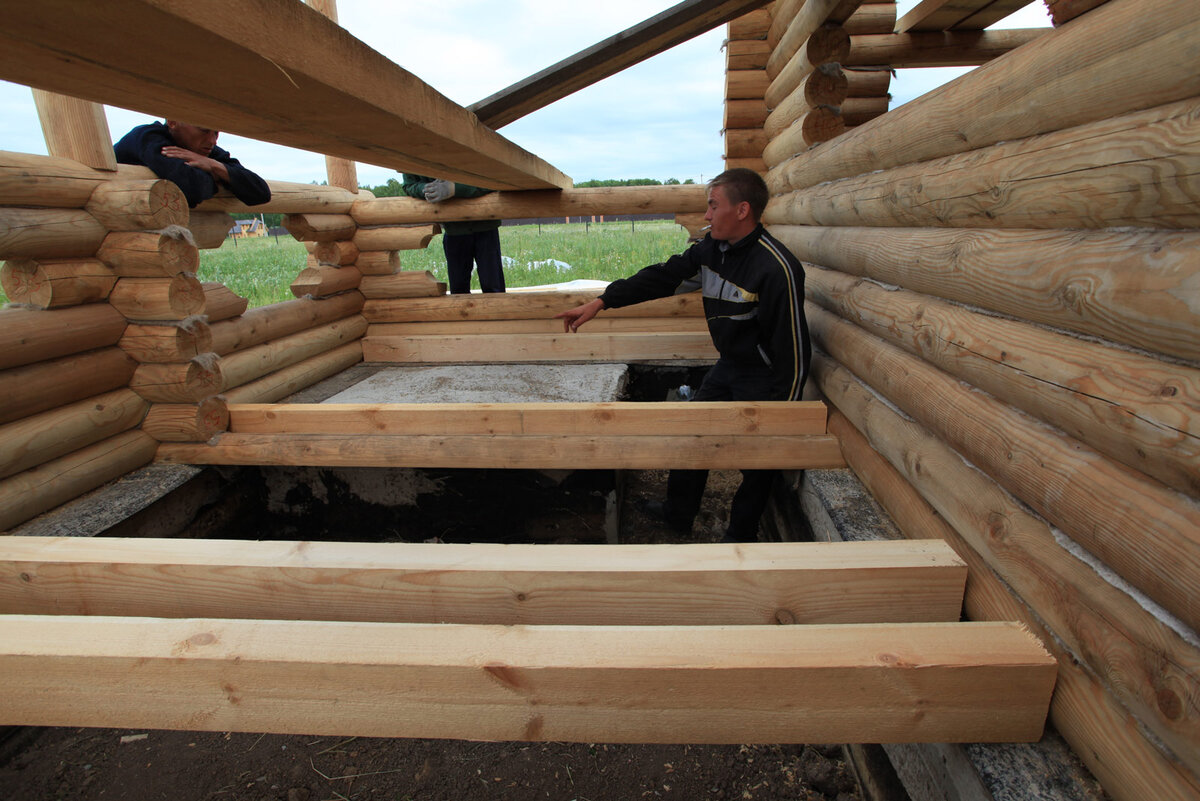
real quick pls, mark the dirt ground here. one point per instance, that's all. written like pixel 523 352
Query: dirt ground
pixel 75 764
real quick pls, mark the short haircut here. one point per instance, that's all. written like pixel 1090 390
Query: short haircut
pixel 744 184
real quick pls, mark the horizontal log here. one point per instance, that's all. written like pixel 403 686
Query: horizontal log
pixel 32 492
pixel 751 25
pixel 177 342
pixel 150 254
pixel 138 205
pixel 744 143
pixel 535 326
pixel 1141 169
pixel 209 229
pixel 408 284
pixel 942 49
pixel 574 347
pixel 338 253
pixel 75 129
pixel 861 110
pixel 250 364
pixel 377 262
pixel 625 419
pixel 807 20
pixel 174 298
pixel 1146 665
pixel 185 382
pixel 266 323
pixel 1129 287
pixel 187 422
pixel 781 14
pixel 744 114
pixel 637 585
pixel 35 180
pixel 827 44
pixel 518 306
pixel 818 125
pixel 50 384
pixel 54 283
pixel 558 452
pixel 323 280
pixel 281 383
pixel 34 335
pixel 1144 532
pixel 867 81
pixel 827 85
pixel 1062 11
pixel 527 205
pixel 944 15
pixel 1108 398
pixel 410 237
pixel 755 165
pixel 1091 720
pixel 695 224
pixel 287 198
pixel 221 303
pixel 872 18
pixel 746 54
pixel 746 84
pixel 573 683
pixel 48 233
pixel 43 437
pixel 1090 61
pixel 320 227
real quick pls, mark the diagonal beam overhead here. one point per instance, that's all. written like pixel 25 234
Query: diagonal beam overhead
pixel 274 70
pixel 661 32
pixel 958 15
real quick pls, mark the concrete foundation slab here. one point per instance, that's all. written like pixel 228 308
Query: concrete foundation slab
pixel 490 383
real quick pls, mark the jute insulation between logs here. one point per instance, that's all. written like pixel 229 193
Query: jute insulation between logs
pixel 30 335
pixel 54 283
pixel 35 388
pixel 1147 666
pixel 267 323
pixel 1094 723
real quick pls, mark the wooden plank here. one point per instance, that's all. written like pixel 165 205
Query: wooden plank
pixel 949 49
pixel 286 75
pixel 634 585
pixel 536 326
pixel 944 15
pixel 661 32
pixel 913 682
pixel 758 418
pixel 574 347
pixel 541 452
pixel 519 306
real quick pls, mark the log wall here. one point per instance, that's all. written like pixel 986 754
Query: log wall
pixel 1003 295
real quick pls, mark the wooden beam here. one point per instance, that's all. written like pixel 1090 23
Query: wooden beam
pixel 283 74
pixel 544 325
pixel 519 306
pixel 30 335
pixel 289 380
pixel 634 585
pixel 572 347
pixel 916 682
pixel 945 15
pixel 51 383
pixel 266 323
pixel 936 49
pixel 674 199
pixel 75 129
pixel 661 32
pixel 544 452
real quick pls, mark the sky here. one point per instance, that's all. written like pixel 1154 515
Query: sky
pixel 659 119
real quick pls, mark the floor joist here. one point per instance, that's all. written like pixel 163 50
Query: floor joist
pixel 572 347
pixel 915 682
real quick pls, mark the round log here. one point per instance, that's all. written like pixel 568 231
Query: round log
pixel 819 125
pixel 936 49
pixel 248 365
pixel 782 13
pixel 182 382
pixel 53 283
pixel 746 84
pixel 758 165
pixel 407 284
pixel 48 233
pixel 150 254
pixel 75 129
pixel 395 237
pixel 751 25
pixel 378 262
pixel 138 205
pixel 338 253
pixel 867 81
pixel 266 323
pixel 286 198
pixel 342 173
pixel 694 223
pixel 172 298
pixel 872 18
pixel 187 422
pixel 746 54
pixel 34 335
pixel 292 379
pixel 320 227
pixel 745 113
pixel 209 229
pixel 35 388
pixel 745 143
pixel 174 342
pixel 827 85
pixel 807 20
pixel 827 44
pixel 31 180
pixel 323 280
pixel 221 303
pixel 859 110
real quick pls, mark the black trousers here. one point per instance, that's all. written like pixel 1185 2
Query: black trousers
pixel 483 250
pixel 685 488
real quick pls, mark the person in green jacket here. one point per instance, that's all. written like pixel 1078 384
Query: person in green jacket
pixel 475 242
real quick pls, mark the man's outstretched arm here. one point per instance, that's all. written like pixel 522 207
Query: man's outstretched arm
pixel 573 318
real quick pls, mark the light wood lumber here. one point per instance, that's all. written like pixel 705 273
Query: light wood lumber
pixel 746 54
pixel 75 129
pixel 150 254
pixel 861 110
pixel 782 12
pixel 1062 11
pixel 48 233
pixel 342 173
pixel 1009 98
pixel 1141 169
pixel 35 388
pixel 324 280
pixel 527 205
pixel 221 303
pixel 266 323
pixel 377 262
pixel 187 422
pixel 744 114
pixel 827 44
pixel 34 335
pixel 944 15
pixel 949 49
pixel 167 343
pixel 808 20
pixel 338 253
pixel 1125 286
pixel 695 224
pixel 779 418
pixel 661 32
pixel 636 585
pixel 743 144
pixel 817 125
pixel 138 205
pixel 53 283
pixel 32 492
pixel 42 437
pixel 184 382
pixel 1109 398
pixel 1147 666
pixel 757 165
pixel 407 284
pixel 1143 531
pixel 573 347
pixel 1128 765
pixel 746 84
pixel 244 366
pixel 286 198
pixel 535 326
pixel 826 85
pixel 410 237
pixel 519 306
pixel 751 25
pixel 867 81
pixel 282 383
pixel 174 298
pixel 278 48
pixel 210 229
pixel 872 18
pixel 320 227
pixel 35 180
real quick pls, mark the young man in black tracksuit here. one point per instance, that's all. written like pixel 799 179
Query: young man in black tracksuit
pixel 753 290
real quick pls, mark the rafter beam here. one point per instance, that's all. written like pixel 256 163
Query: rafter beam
pixel 274 70
pixel 957 15
pixel 633 45
pixel 937 49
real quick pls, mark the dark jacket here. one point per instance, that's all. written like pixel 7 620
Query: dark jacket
pixel 414 186
pixel 144 144
pixel 753 298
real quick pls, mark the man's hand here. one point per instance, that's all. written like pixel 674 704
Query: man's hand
pixel 439 190
pixel 193 159
pixel 573 318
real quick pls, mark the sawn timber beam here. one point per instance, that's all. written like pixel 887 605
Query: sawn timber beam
pixel 274 70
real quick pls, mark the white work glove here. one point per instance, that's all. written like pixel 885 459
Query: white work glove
pixel 439 190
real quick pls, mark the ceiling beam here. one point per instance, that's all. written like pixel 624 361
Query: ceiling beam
pixel 273 70
pixel 661 32
pixel 958 15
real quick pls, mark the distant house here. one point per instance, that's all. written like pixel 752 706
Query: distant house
pixel 244 228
